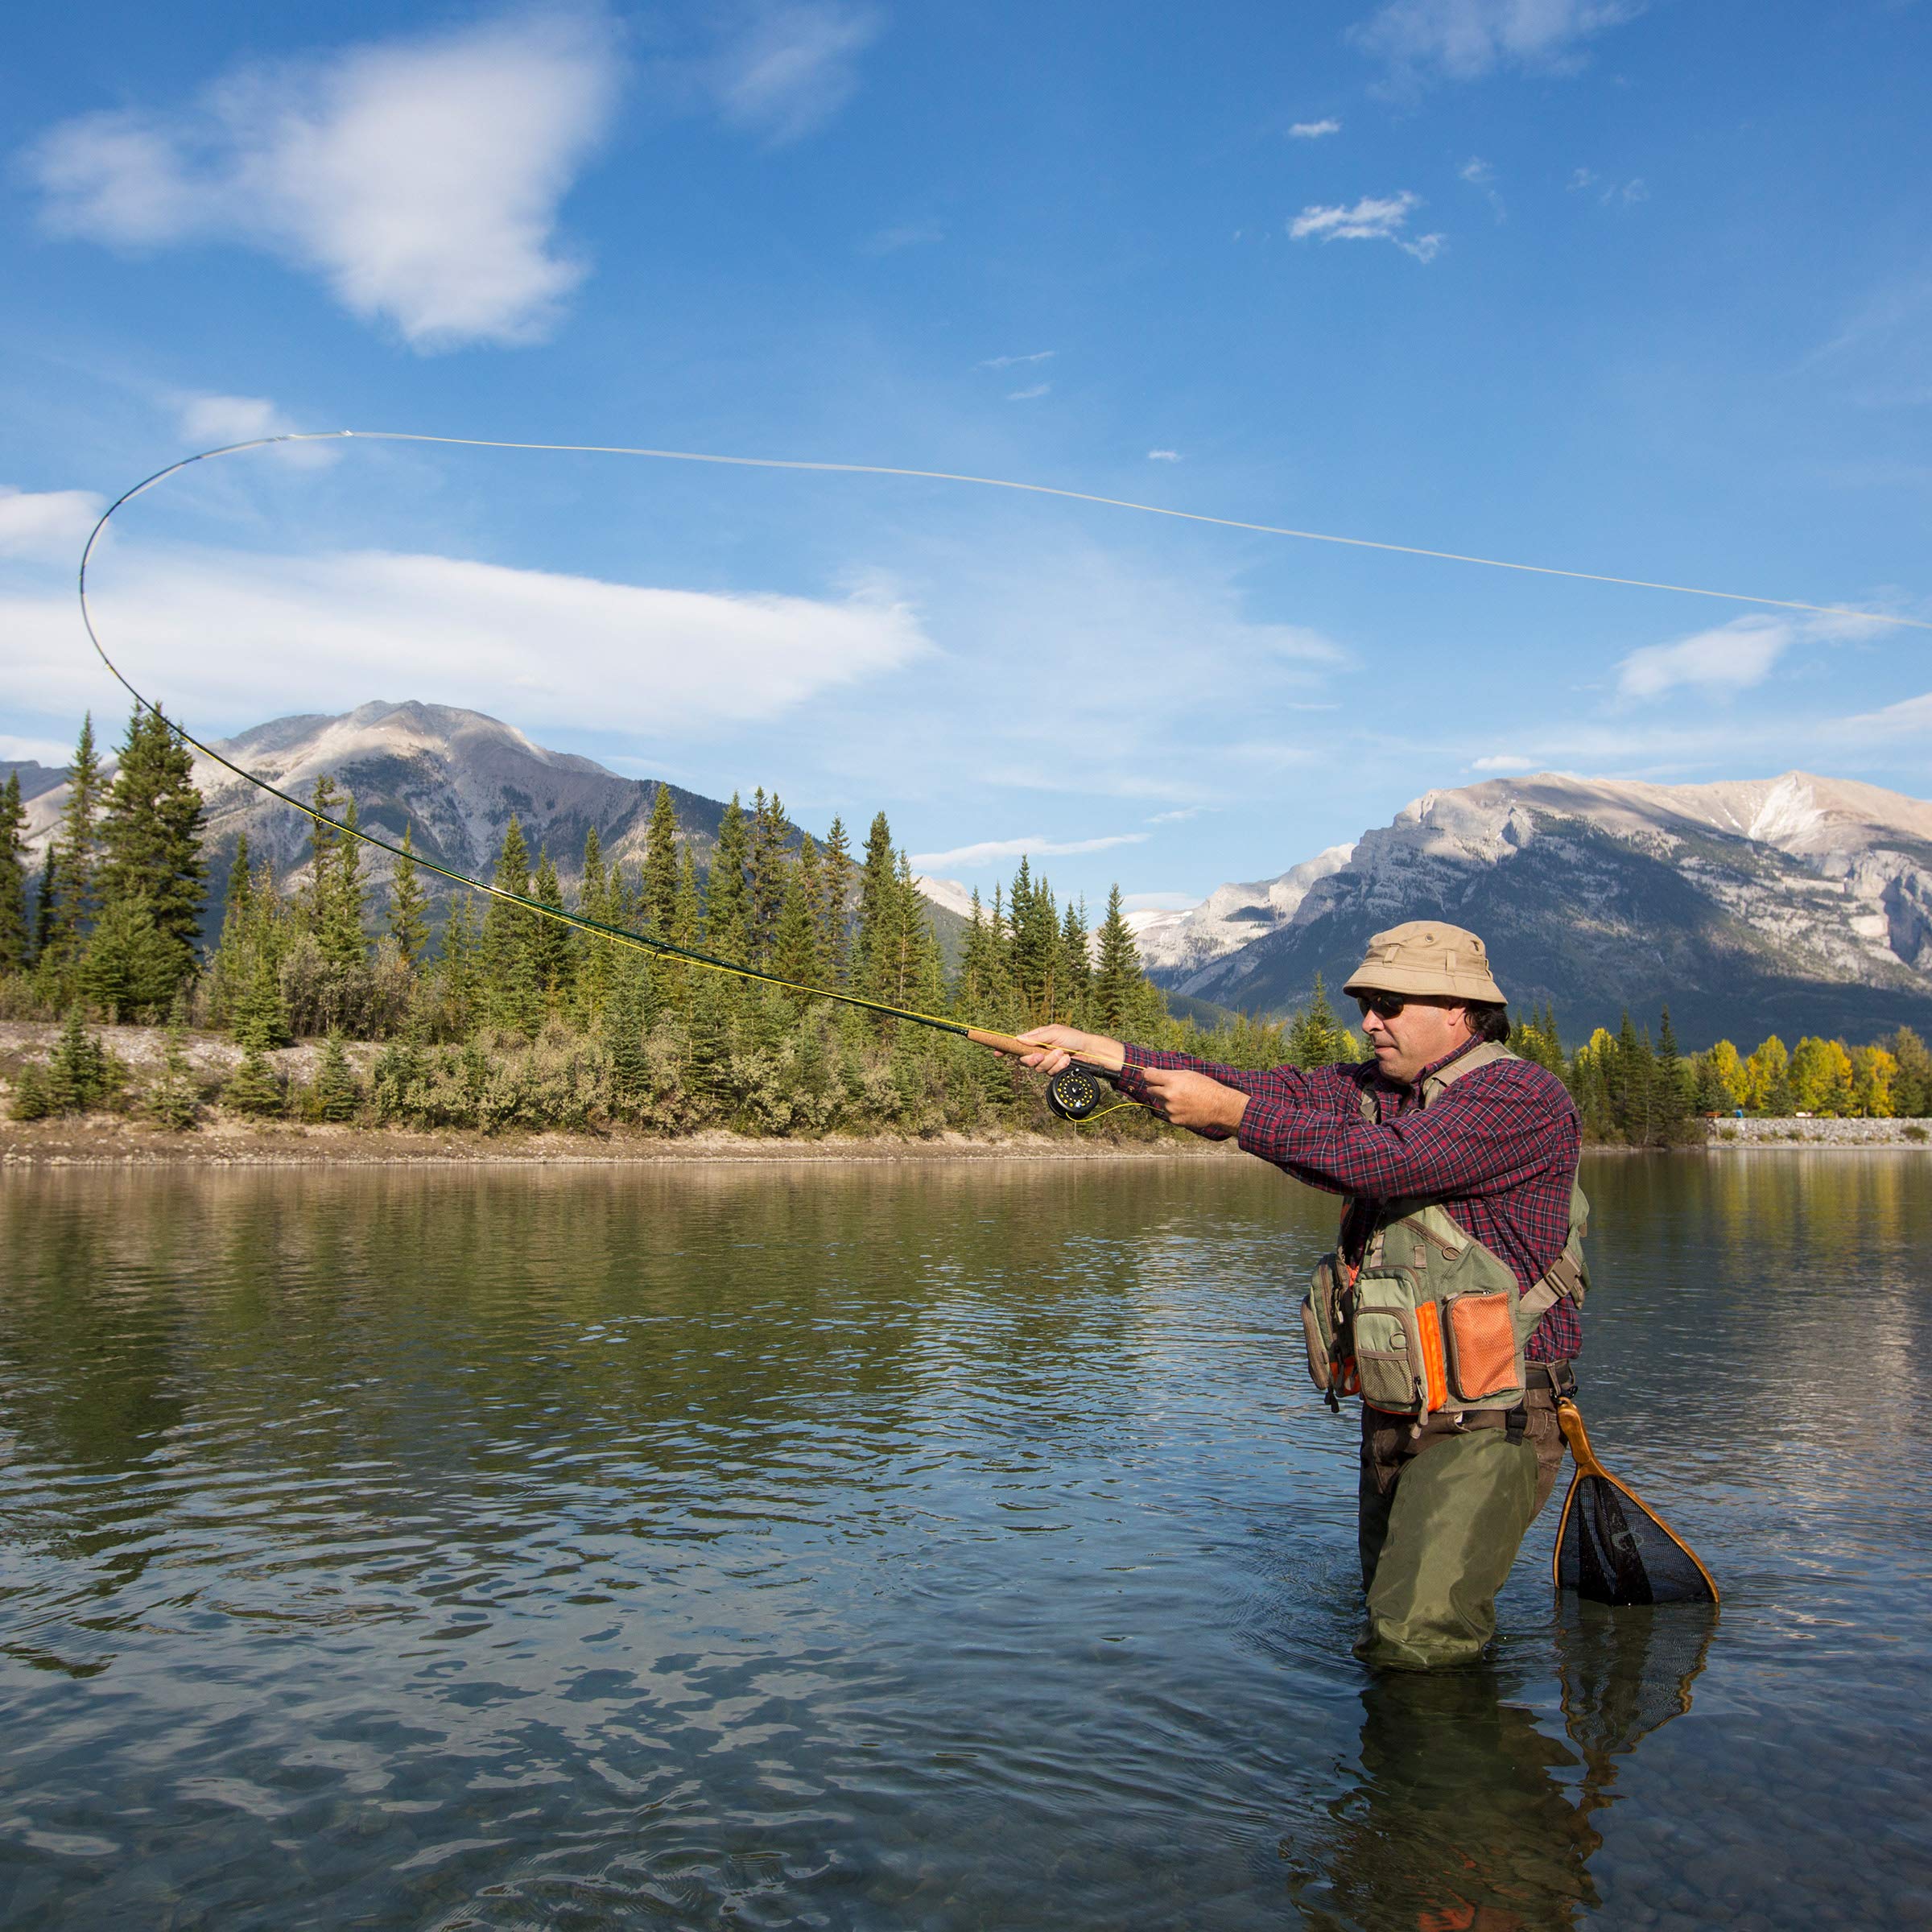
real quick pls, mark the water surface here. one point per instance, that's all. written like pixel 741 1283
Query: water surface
pixel 919 1547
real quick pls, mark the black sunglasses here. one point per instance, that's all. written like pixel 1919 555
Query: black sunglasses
pixel 1384 1006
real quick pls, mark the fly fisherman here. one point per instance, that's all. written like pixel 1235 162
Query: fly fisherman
pixel 1450 1303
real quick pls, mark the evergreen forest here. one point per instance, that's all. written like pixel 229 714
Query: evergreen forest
pixel 505 1020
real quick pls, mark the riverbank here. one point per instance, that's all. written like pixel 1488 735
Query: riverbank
pixel 106 1140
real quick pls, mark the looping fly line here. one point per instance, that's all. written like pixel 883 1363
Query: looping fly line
pixel 1070 1099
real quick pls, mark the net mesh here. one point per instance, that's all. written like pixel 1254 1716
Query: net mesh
pixel 1611 1550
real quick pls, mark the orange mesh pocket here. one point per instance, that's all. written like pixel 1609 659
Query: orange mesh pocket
pixel 1481 1334
pixel 1435 1376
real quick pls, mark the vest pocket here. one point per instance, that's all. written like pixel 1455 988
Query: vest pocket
pixel 1479 1333
pixel 1398 1348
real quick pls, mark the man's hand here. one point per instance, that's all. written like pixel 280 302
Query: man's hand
pixel 1058 1044
pixel 1192 1099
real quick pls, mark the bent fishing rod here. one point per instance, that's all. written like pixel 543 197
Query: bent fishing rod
pixel 1078 1093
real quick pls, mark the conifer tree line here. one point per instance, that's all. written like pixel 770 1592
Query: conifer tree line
pixel 506 1019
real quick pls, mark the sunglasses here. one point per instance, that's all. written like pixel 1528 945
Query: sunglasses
pixel 1384 1006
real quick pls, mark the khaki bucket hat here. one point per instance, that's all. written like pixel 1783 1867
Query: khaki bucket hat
pixel 1424 957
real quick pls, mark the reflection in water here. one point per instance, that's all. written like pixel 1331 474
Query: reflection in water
pixel 1462 1818
pixel 932 1547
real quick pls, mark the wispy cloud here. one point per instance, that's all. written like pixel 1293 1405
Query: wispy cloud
pixel 48 525
pixel 1464 39
pixel 1732 658
pixel 1910 718
pixel 1373 218
pixel 1609 194
pixel 1039 355
pixel 990 851
pixel 1163 456
pixel 208 422
pixel 1175 817
pixel 236 637
pixel 420 178
pixel 1159 902
pixel 1502 761
pixel 1032 393
pixel 787 69
pixel 40 751
pixel 1478 173
pixel 1314 131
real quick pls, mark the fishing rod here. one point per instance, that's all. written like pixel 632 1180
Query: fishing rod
pixel 1076 1093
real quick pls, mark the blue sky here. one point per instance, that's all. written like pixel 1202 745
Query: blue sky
pixel 1640 289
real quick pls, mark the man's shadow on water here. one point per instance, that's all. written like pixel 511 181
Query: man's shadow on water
pixel 1458 1820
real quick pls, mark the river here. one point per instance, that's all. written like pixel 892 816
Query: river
pixel 910 1545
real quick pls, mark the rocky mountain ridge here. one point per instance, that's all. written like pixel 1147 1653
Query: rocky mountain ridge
pixel 1793 904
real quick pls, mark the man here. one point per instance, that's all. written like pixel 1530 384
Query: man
pixel 1446 1145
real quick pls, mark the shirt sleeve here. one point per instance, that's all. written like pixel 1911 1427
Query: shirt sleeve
pixel 1286 1088
pixel 1485 1133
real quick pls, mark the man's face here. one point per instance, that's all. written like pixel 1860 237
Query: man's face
pixel 1422 1033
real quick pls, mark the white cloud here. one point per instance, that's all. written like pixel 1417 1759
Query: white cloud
pixel 40 751
pixel 789 68
pixel 1175 817
pixel 214 422
pixel 1039 355
pixel 1503 760
pixel 1464 39
pixel 1163 456
pixel 419 178
pixel 228 638
pixel 1373 218
pixel 1314 131
pixel 47 526
pixel 1032 393
pixel 1159 902
pixel 1911 717
pixel 991 851
pixel 1732 658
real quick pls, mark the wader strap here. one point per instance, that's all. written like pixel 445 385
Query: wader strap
pixel 1562 1277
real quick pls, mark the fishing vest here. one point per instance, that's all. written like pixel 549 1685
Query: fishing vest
pixel 1430 1320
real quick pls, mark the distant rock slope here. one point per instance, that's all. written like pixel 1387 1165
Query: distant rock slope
pixel 1174 946
pixel 1789 905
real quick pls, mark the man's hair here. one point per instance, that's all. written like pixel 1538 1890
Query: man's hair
pixel 1489 1020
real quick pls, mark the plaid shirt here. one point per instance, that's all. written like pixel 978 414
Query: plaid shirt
pixel 1498 1149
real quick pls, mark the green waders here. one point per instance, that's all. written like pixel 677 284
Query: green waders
pixel 1441 1519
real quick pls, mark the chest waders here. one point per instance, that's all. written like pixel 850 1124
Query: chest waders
pixel 1428 1327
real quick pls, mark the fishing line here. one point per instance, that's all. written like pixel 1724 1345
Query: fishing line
pixel 1074 1093
pixel 1066 1097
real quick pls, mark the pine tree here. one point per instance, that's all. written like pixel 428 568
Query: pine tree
pixel 253 1088
pixel 794 951
pixel 1033 953
pixel 322 837
pixel 408 908
pixel 1673 1089
pixel 727 902
pixel 1117 970
pixel 510 991
pixel 259 1016
pixel 1075 973
pixel 597 959
pixel 624 1022
pixel 834 890
pixel 687 909
pixel 126 969
pixel 456 970
pixel 974 991
pixel 660 906
pixel 172 1101
pixel 874 940
pixel 553 945
pixel 150 843
pixel 337 1094
pixel 1912 1084
pixel 46 905
pixel 1316 1038
pixel 917 977
pixel 71 891
pixel 769 870
pixel 13 932
pixel 340 897
pixel 80 1071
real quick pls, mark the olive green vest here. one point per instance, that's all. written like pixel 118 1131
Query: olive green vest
pixel 1431 1320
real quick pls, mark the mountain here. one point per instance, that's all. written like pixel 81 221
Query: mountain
pixel 453 776
pixel 34 778
pixel 1176 945
pixel 1793 905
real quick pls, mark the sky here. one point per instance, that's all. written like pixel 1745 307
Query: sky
pixel 1643 289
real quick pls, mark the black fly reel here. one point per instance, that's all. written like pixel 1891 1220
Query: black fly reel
pixel 1078 1093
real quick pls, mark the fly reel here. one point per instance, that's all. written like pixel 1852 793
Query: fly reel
pixel 1078 1093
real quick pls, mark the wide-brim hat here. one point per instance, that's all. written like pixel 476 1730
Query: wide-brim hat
pixel 1426 957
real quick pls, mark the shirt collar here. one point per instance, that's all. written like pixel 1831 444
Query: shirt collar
pixel 1412 1090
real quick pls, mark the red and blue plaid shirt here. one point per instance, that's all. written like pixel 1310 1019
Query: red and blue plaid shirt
pixel 1497 1148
